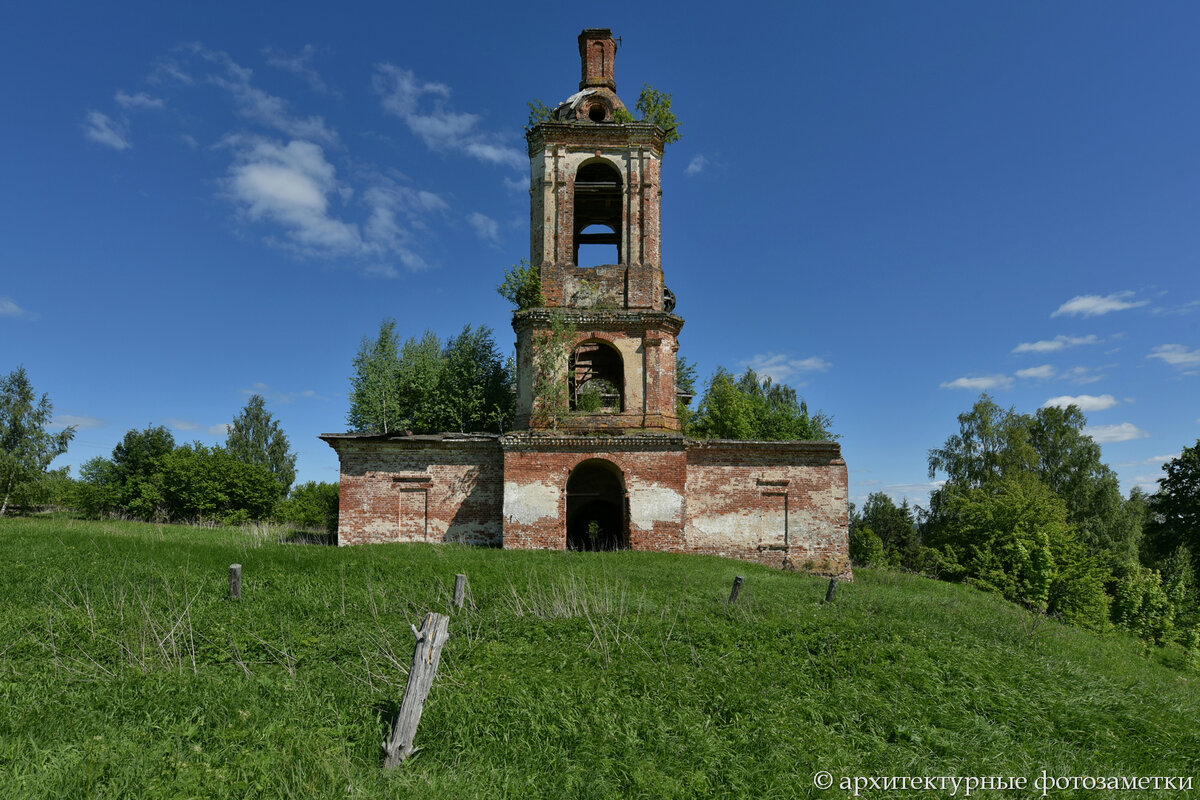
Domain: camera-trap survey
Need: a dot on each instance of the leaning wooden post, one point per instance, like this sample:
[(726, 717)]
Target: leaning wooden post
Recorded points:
[(430, 640), (235, 581), (460, 589), (737, 588), (833, 584)]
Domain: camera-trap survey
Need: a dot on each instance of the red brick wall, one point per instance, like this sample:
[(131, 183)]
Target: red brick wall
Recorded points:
[(779, 503), (420, 489), (535, 480)]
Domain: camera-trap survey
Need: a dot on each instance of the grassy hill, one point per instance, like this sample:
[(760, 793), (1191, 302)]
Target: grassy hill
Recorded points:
[(126, 672)]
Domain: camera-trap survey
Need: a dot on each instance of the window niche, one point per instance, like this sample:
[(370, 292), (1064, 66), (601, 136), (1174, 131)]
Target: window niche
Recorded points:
[(597, 209)]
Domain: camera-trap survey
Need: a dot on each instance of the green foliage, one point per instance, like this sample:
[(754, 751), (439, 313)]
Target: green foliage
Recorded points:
[(1175, 507), (866, 549), (685, 390), (427, 387), (655, 107), (591, 397), (895, 529), (1011, 537), (54, 490), (539, 112), (522, 286), (311, 505), (129, 673), (1140, 604), (203, 484), (551, 352), (130, 483), (26, 447), (752, 409), (256, 438)]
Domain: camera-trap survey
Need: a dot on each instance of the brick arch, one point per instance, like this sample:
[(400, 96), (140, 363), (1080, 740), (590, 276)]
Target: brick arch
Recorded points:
[(597, 515), (598, 186), (596, 358)]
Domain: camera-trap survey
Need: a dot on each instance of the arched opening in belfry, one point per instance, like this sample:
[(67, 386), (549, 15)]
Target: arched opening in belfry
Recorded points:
[(596, 507), (596, 378), (597, 211)]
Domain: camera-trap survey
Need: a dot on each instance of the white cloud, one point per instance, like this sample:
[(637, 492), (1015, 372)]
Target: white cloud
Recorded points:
[(695, 166), (1044, 371), (981, 383), (423, 107), (520, 184), (299, 64), (780, 367), (140, 100), (219, 430), (1083, 375), (1057, 343), (1177, 355), (485, 227), (9, 308), (1093, 305), (275, 396), (290, 185), (1085, 402), (259, 106), (182, 424), (80, 421), (107, 131), (1185, 308), (1122, 432)]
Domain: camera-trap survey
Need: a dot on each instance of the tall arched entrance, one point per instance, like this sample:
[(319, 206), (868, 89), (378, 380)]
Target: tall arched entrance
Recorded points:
[(596, 518)]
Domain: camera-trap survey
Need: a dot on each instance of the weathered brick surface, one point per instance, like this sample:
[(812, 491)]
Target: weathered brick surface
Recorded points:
[(424, 489)]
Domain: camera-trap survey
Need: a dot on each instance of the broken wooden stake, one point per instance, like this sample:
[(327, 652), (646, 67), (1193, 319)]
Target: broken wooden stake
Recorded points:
[(430, 640), (833, 584), (737, 588), (460, 589), (235, 581)]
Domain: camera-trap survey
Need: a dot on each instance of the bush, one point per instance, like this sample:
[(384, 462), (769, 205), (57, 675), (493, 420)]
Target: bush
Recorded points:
[(866, 549), (311, 505), (1141, 604)]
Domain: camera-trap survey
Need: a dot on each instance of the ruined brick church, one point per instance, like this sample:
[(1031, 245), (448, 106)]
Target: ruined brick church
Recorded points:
[(618, 474)]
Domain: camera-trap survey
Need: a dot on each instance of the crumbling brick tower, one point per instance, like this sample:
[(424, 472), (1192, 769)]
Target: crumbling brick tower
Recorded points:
[(596, 185)]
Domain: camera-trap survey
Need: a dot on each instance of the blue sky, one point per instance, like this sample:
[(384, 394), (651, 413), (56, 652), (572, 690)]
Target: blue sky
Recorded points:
[(891, 206)]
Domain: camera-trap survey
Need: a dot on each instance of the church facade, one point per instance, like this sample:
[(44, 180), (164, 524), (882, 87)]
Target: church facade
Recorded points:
[(607, 466)]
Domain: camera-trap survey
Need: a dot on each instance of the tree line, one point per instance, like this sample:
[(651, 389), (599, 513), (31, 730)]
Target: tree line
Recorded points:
[(150, 477), (1028, 510)]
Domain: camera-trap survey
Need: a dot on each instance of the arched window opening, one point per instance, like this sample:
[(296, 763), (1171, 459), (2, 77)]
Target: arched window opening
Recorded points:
[(597, 246), (597, 214), (596, 379), (596, 509)]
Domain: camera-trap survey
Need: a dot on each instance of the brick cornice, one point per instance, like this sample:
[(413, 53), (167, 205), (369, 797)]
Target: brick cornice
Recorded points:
[(589, 135), (637, 442), (593, 319)]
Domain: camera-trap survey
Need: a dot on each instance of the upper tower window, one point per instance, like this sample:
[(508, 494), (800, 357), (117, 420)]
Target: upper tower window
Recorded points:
[(597, 203)]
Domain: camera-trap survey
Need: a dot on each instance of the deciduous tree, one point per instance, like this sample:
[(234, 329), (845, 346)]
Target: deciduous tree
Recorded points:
[(26, 447), (255, 437)]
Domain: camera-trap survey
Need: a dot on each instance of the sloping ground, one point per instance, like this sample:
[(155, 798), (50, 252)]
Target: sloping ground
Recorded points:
[(126, 672)]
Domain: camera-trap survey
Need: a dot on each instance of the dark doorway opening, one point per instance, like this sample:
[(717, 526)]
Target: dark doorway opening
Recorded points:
[(596, 518)]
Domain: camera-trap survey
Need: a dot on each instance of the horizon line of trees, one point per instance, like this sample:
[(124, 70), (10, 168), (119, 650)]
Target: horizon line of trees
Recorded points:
[(1029, 511)]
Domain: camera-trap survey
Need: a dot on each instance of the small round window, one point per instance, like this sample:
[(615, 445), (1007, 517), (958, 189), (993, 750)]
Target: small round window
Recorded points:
[(597, 113)]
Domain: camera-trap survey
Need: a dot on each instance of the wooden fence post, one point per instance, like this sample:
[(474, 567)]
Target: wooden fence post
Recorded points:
[(235, 581), (833, 584), (430, 640), (460, 589), (737, 588)]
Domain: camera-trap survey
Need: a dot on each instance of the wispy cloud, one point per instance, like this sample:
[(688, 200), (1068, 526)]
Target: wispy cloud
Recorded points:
[(299, 64), (1177, 355), (258, 106), (1093, 305), (780, 367), (696, 165), (9, 308), (1084, 375), (424, 108), (1121, 432), (1085, 402), (80, 421), (1044, 371), (219, 430), (101, 128), (980, 384), (485, 227), (283, 398), (1057, 343), (141, 100), (182, 424)]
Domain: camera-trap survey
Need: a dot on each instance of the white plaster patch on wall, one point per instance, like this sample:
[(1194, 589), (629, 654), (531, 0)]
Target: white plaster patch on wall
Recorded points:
[(526, 503), (654, 503), (734, 527)]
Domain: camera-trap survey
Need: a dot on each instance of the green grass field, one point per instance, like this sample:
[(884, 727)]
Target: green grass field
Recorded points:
[(125, 671)]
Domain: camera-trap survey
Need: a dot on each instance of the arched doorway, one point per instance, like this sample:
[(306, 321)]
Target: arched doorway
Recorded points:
[(596, 518)]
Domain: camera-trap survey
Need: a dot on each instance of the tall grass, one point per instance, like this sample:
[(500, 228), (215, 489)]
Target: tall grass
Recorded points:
[(126, 671)]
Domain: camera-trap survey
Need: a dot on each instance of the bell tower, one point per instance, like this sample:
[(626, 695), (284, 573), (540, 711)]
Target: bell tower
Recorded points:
[(596, 196)]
